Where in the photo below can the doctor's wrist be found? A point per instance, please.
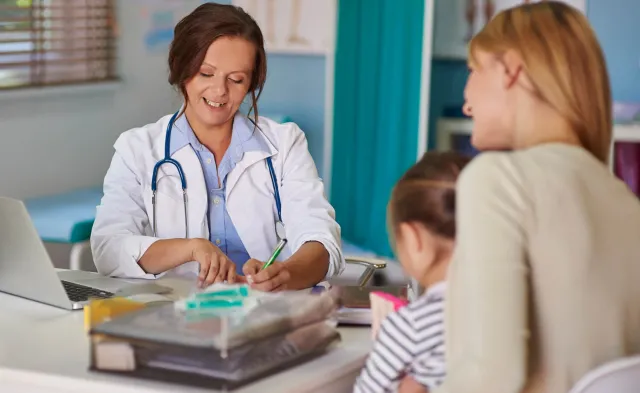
(166, 254)
(194, 245)
(308, 266)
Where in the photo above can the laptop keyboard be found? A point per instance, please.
(81, 293)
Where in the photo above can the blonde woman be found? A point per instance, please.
(544, 282)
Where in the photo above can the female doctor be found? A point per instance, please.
(209, 192)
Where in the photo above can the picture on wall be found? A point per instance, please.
(457, 21)
(294, 26)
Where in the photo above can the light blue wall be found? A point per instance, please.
(617, 25)
(295, 87)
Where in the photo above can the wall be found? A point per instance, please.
(295, 87)
(58, 141)
(615, 23)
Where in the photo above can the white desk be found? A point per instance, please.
(45, 349)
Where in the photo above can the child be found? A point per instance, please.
(421, 219)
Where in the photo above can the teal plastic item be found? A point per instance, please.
(221, 302)
(240, 291)
(227, 297)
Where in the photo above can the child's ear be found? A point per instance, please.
(410, 236)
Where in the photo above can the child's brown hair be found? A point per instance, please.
(426, 194)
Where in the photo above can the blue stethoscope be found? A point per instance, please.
(280, 230)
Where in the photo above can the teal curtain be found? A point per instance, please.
(376, 109)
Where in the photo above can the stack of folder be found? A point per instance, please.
(221, 348)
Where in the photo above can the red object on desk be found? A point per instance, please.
(395, 302)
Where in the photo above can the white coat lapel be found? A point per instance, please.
(248, 159)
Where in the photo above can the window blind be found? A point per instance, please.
(56, 42)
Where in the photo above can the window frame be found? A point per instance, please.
(50, 46)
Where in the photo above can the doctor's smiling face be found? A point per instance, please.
(216, 60)
(216, 92)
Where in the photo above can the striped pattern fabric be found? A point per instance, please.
(410, 342)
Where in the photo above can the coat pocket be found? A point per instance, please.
(169, 213)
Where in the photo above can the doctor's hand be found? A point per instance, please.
(274, 278)
(215, 267)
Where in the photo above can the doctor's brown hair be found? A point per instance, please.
(196, 32)
(426, 194)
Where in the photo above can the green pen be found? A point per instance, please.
(275, 254)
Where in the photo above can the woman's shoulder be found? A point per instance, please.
(546, 165)
(494, 170)
(496, 183)
(520, 178)
(540, 158)
(287, 136)
(279, 130)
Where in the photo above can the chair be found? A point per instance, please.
(66, 218)
(371, 265)
(618, 376)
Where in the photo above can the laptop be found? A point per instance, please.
(26, 269)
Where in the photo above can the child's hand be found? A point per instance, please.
(409, 385)
(382, 304)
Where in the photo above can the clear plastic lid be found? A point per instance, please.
(214, 325)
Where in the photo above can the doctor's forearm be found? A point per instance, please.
(166, 254)
(308, 266)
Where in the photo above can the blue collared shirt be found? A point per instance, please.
(222, 233)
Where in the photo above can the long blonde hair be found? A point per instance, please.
(563, 60)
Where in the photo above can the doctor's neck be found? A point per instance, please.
(216, 138)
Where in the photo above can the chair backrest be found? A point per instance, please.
(619, 376)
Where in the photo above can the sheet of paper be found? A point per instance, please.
(354, 316)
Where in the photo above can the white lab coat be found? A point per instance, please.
(122, 230)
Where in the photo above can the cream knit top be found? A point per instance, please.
(545, 279)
